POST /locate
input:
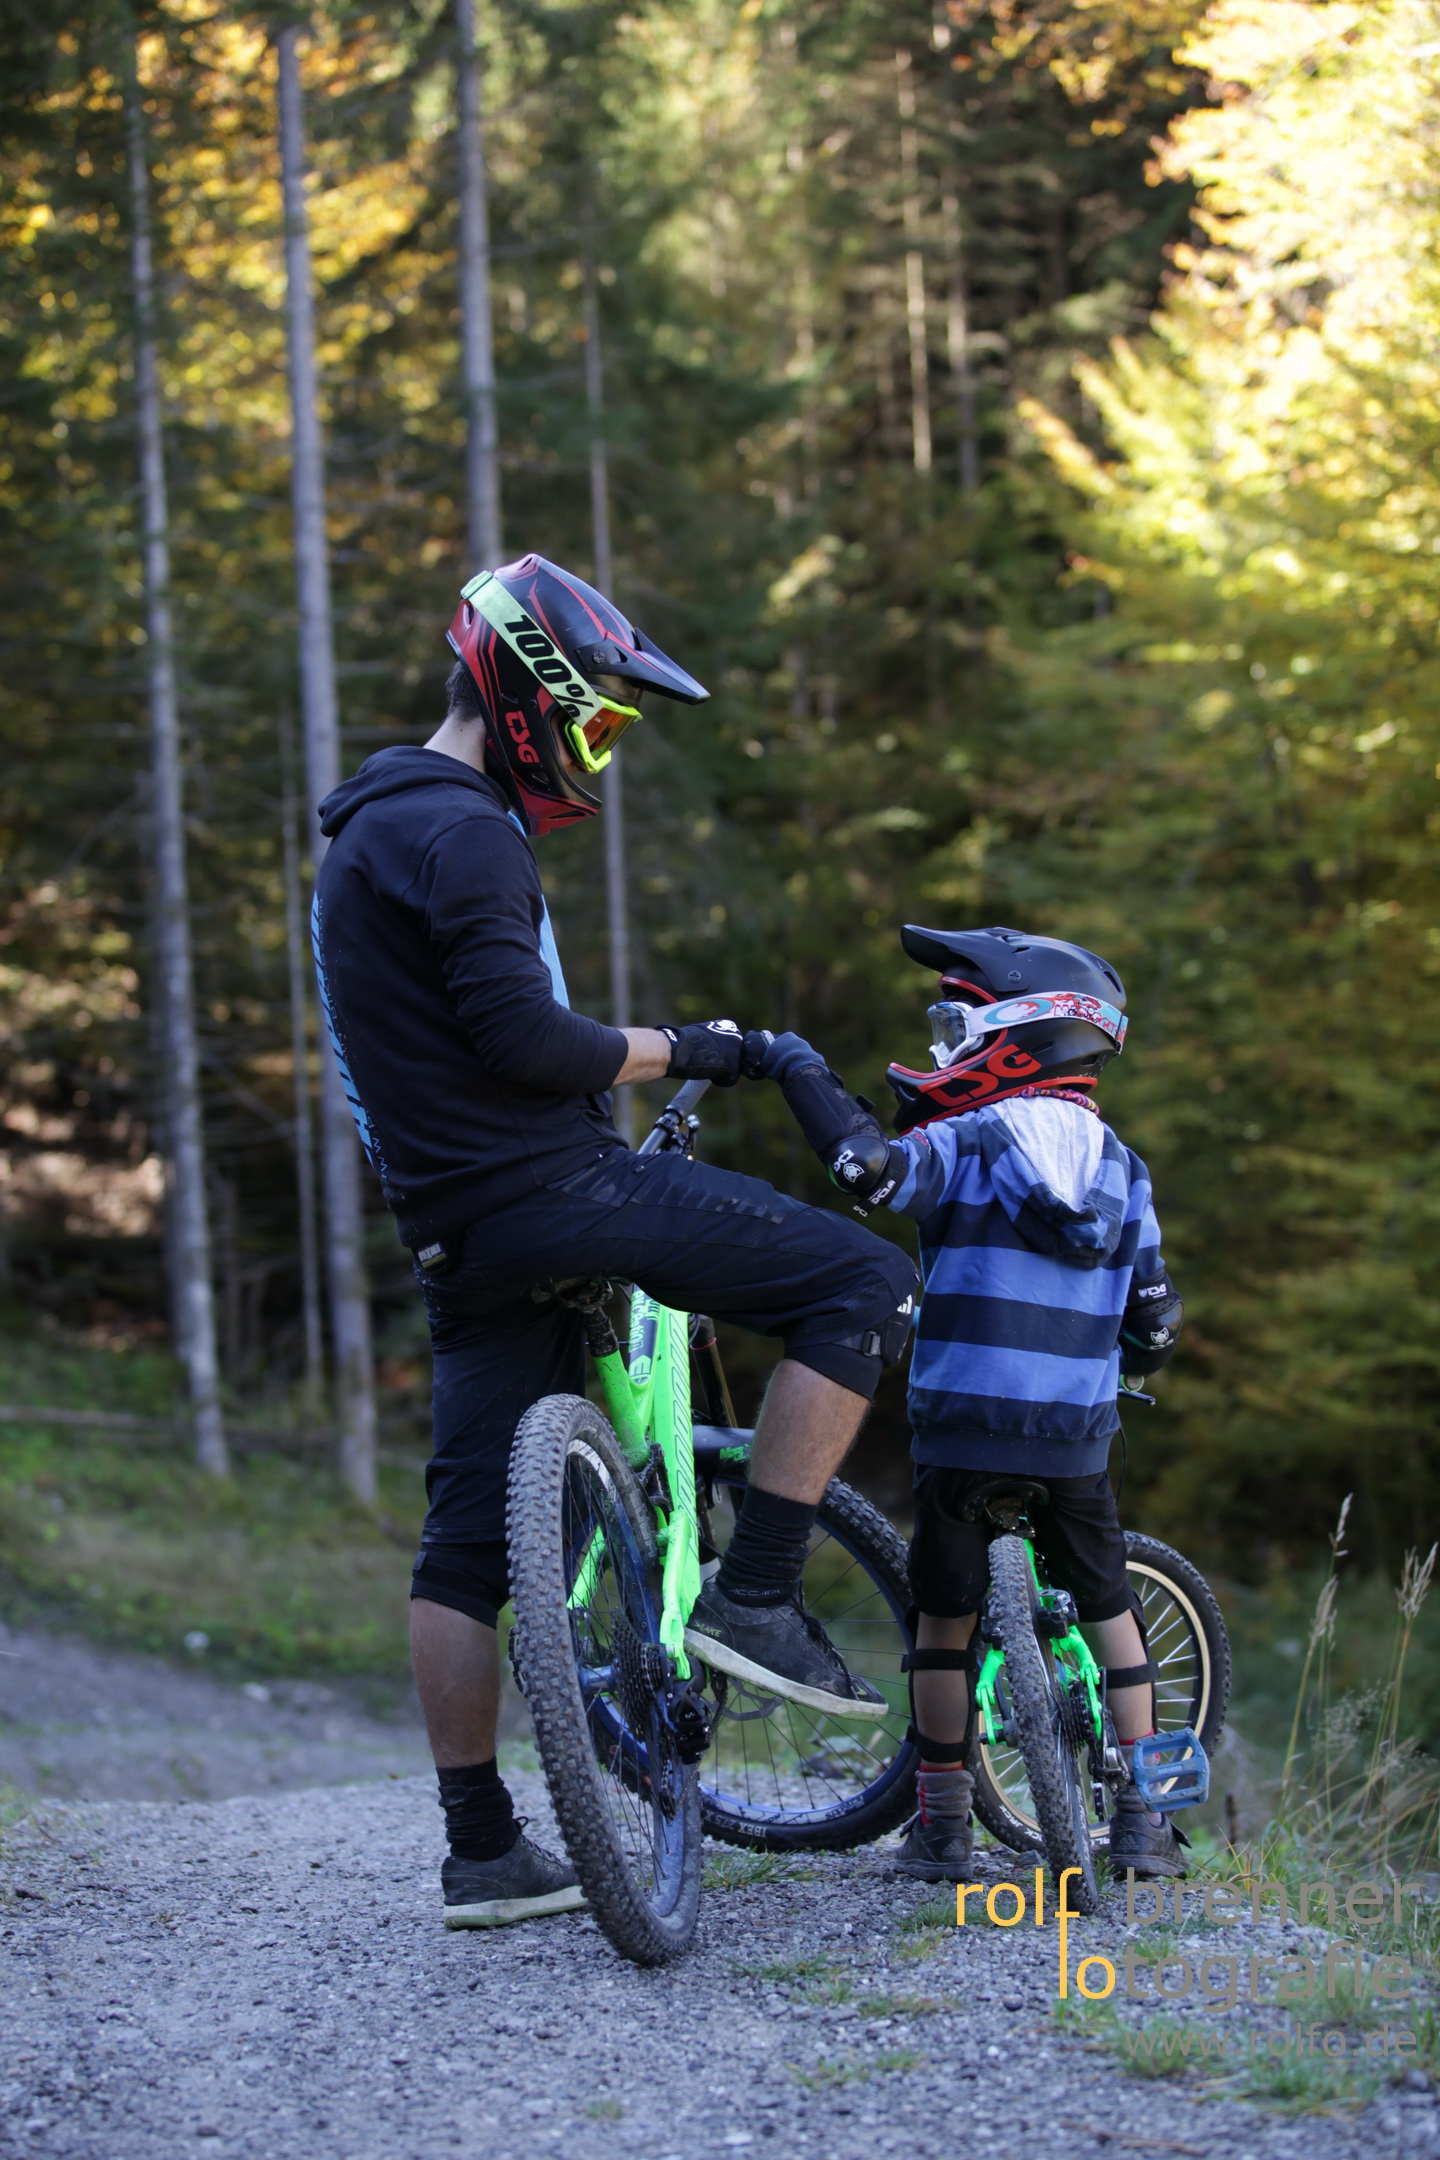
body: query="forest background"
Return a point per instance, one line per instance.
(1023, 416)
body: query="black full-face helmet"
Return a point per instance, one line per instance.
(551, 657)
(1014, 1012)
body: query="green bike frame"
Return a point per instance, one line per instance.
(1071, 1651)
(648, 1403)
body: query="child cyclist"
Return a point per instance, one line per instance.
(1043, 1278)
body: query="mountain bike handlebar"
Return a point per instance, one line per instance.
(673, 1123)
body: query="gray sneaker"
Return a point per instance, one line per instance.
(523, 1884)
(938, 1851)
(1145, 1841)
(782, 1649)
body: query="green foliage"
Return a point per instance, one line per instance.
(1259, 857)
(276, 1567)
(756, 207)
(1156, 673)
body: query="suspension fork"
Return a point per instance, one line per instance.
(648, 1401)
(659, 1340)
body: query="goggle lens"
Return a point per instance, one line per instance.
(949, 1026)
(593, 740)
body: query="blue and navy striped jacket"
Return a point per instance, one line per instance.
(1016, 1359)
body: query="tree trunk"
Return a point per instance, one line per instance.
(340, 1165)
(915, 310)
(616, 898)
(304, 1123)
(188, 1238)
(477, 342)
(958, 343)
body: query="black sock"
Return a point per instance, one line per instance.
(479, 1815)
(767, 1553)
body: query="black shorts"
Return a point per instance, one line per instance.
(698, 1239)
(1077, 1536)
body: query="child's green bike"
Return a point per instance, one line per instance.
(1048, 1762)
(613, 1517)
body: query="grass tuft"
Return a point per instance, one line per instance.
(825, 2076)
(745, 1870)
(923, 1931)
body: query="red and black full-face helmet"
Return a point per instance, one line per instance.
(551, 657)
(1014, 1012)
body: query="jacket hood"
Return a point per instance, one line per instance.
(392, 772)
(1083, 1237)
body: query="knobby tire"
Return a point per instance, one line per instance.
(1040, 1717)
(560, 1441)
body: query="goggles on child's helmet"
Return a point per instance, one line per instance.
(552, 657)
(1015, 1012)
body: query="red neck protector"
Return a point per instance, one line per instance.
(1006, 1073)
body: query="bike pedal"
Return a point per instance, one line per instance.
(1171, 1770)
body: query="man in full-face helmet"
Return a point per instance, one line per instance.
(1043, 1282)
(483, 1102)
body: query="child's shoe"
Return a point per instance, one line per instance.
(1142, 1840)
(940, 1851)
(939, 1841)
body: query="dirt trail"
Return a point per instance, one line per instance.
(267, 1976)
(101, 1725)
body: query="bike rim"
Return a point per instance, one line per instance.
(1178, 1646)
(611, 1587)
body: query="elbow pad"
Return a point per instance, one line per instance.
(1154, 1316)
(868, 1167)
(846, 1136)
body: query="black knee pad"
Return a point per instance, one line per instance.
(887, 1342)
(472, 1579)
(966, 1661)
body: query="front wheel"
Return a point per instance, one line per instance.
(1045, 1724)
(783, 1778)
(585, 1576)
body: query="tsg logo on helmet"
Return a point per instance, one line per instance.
(554, 661)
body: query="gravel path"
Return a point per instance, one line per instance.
(268, 1976)
(96, 1724)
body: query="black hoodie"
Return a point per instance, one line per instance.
(472, 1083)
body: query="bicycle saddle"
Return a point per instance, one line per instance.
(1003, 1499)
(585, 1292)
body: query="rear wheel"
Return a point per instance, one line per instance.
(1188, 1642)
(782, 1778)
(585, 1576)
(1046, 1724)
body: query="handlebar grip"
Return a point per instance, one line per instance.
(679, 1105)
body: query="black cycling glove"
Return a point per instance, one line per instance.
(707, 1050)
(1150, 1327)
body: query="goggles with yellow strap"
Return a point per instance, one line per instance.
(592, 718)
